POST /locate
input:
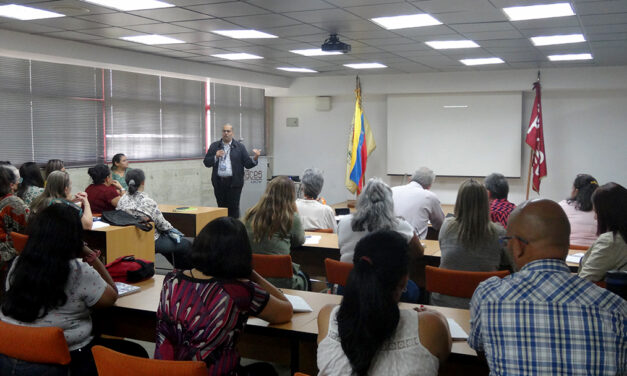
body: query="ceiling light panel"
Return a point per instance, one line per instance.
(129, 5)
(238, 56)
(406, 21)
(482, 61)
(534, 12)
(244, 34)
(365, 66)
(451, 44)
(557, 39)
(315, 52)
(152, 39)
(24, 13)
(570, 57)
(297, 70)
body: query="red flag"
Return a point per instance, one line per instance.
(535, 139)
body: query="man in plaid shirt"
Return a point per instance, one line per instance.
(544, 320)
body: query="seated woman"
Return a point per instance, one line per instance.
(609, 251)
(56, 281)
(470, 240)
(314, 214)
(274, 227)
(368, 334)
(104, 193)
(168, 240)
(59, 189)
(32, 184)
(53, 165)
(119, 168)
(202, 311)
(578, 209)
(13, 217)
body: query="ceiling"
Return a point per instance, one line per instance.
(302, 24)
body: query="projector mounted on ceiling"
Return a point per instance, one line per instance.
(333, 44)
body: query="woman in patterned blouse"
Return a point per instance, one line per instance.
(32, 184)
(202, 311)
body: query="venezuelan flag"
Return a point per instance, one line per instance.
(360, 145)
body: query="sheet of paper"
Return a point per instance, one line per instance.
(312, 239)
(574, 258)
(126, 289)
(257, 321)
(456, 331)
(298, 304)
(99, 224)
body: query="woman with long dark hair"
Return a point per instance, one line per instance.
(609, 251)
(119, 168)
(105, 192)
(578, 209)
(202, 311)
(32, 184)
(368, 334)
(56, 281)
(53, 165)
(470, 240)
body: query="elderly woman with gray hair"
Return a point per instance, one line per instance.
(313, 214)
(375, 211)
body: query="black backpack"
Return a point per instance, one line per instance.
(122, 218)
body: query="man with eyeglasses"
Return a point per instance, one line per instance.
(544, 319)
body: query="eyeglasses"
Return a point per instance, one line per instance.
(503, 240)
(68, 203)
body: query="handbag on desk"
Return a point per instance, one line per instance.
(129, 269)
(122, 218)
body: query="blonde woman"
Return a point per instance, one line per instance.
(59, 189)
(274, 227)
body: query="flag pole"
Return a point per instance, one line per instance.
(530, 161)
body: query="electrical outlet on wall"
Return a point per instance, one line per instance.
(291, 122)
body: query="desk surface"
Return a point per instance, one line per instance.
(166, 208)
(303, 324)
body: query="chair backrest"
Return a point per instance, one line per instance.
(273, 266)
(323, 230)
(337, 271)
(34, 344)
(113, 363)
(19, 241)
(456, 282)
(579, 247)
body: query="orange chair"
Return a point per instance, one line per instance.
(300, 374)
(19, 241)
(34, 344)
(113, 363)
(456, 282)
(337, 271)
(273, 266)
(323, 230)
(579, 247)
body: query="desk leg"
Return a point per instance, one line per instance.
(294, 355)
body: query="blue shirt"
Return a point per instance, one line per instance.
(544, 320)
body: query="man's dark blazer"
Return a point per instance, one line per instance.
(239, 160)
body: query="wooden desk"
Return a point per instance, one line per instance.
(118, 241)
(134, 316)
(191, 222)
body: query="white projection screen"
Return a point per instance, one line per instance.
(471, 134)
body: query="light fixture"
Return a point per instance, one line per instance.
(298, 70)
(450, 44)
(128, 5)
(406, 21)
(315, 52)
(534, 12)
(569, 57)
(482, 61)
(24, 13)
(366, 65)
(237, 56)
(244, 34)
(152, 39)
(557, 39)
(456, 106)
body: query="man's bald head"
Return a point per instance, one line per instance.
(544, 225)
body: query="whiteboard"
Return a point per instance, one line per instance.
(470, 134)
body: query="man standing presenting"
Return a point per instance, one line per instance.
(417, 204)
(544, 320)
(228, 159)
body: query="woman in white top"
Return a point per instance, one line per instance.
(368, 334)
(313, 214)
(578, 209)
